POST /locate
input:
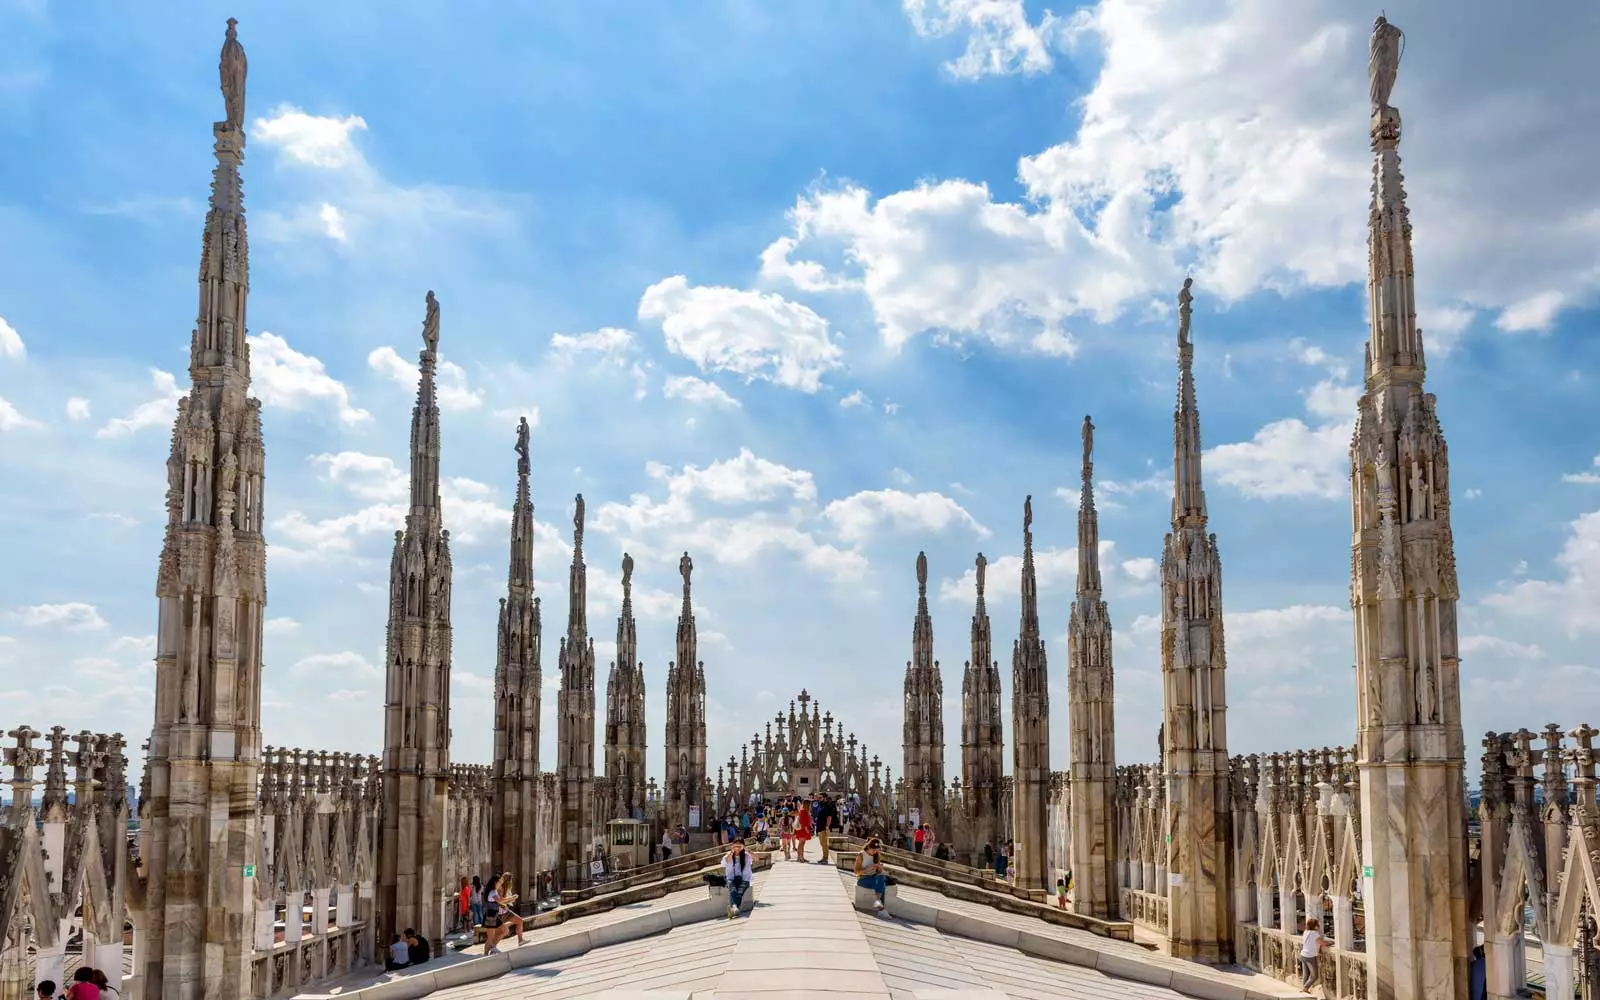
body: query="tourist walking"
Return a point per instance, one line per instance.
(1311, 945)
(827, 822)
(737, 869)
(802, 831)
(786, 833)
(666, 844)
(870, 873)
(1002, 861)
(463, 903)
(498, 908)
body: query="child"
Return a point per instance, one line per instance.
(1061, 893)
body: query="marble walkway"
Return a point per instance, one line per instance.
(805, 939)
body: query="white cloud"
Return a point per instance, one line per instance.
(611, 343)
(661, 528)
(1292, 459)
(145, 644)
(158, 412)
(71, 614)
(758, 335)
(344, 666)
(283, 377)
(314, 140)
(698, 391)
(280, 626)
(856, 398)
(1000, 41)
(453, 391)
(1052, 568)
(78, 408)
(1535, 313)
(12, 419)
(1572, 600)
(1143, 569)
(333, 222)
(11, 345)
(861, 516)
(1231, 139)
(1589, 477)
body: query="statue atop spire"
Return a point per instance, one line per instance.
(982, 568)
(233, 69)
(1088, 522)
(1383, 61)
(685, 570)
(922, 573)
(627, 578)
(523, 465)
(1185, 310)
(430, 325)
(577, 527)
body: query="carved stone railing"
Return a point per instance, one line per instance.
(64, 857)
(316, 867)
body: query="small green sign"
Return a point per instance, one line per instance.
(1169, 838)
(249, 871)
(1366, 871)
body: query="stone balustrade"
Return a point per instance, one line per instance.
(65, 862)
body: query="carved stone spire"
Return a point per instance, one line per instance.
(982, 728)
(518, 684)
(1030, 727)
(1092, 760)
(625, 712)
(416, 728)
(1411, 753)
(205, 744)
(924, 713)
(1194, 701)
(686, 717)
(575, 719)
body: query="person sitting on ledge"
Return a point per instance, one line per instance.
(737, 869)
(399, 955)
(417, 949)
(869, 872)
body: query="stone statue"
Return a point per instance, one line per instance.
(430, 325)
(983, 568)
(685, 570)
(1088, 439)
(1185, 300)
(577, 522)
(232, 70)
(1027, 514)
(1385, 473)
(627, 574)
(1383, 62)
(522, 447)
(922, 572)
(1419, 492)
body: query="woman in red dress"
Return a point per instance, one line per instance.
(802, 828)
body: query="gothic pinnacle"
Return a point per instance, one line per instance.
(1088, 521)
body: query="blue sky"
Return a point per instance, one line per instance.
(803, 287)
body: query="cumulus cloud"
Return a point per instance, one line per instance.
(779, 507)
(13, 419)
(1230, 139)
(453, 391)
(1000, 40)
(758, 335)
(1570, 600)
(1588, 477)
(283, 377)
(1291, 458)
(70, 614)
(314, 140)
(698, 391)
(157, 412)
(856, 398)
(11, 345)
(78, 408)
(861, 516)
(609, 343)
(1052, 568)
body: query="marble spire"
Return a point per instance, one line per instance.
(517, 693)
(982, 728)
(924, 714)
(416, 724)
(1030, 728)
(625, 713)
(205, 742)
(686, 718)
(575, 720)
(1092, 757)
(1194, 696)
(1411, 752)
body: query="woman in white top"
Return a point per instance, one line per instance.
(738, 869)
(1311, 945)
